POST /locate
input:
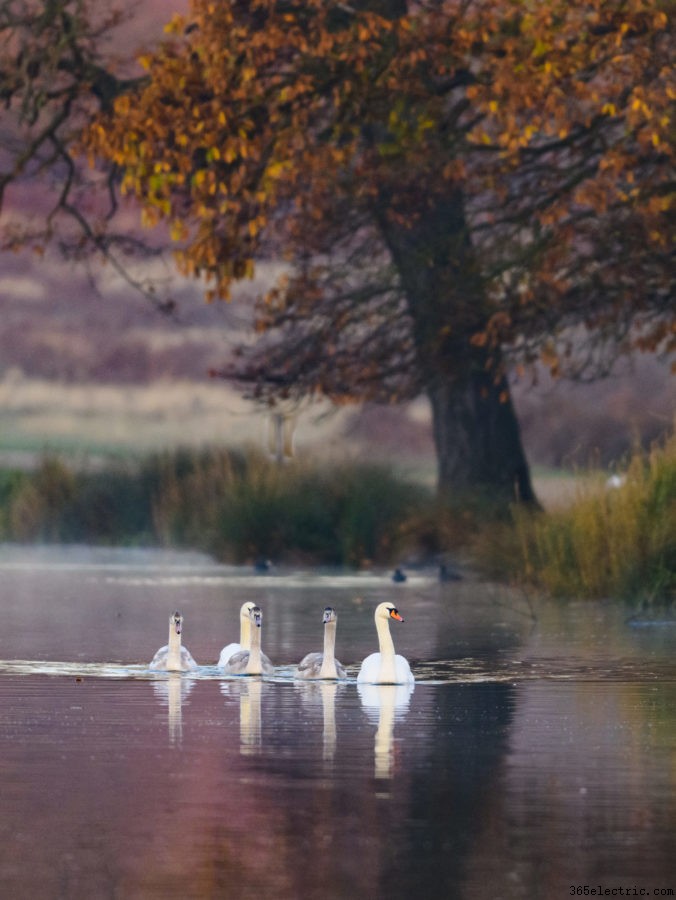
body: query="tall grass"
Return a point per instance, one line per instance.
(236, 505)
(56, 503)
(242, 506)
(239, 506)
(611, 542)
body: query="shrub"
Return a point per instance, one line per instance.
(246, 507)
(611, 542)
(236, 505)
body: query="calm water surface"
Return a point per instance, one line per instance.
(532, 757)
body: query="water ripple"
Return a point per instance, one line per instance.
(473, 670)
(435, 672)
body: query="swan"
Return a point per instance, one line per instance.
(252, 661)
(244, 635)
(173, 657)
(385, 667)
(323, 665)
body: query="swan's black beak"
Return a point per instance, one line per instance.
(178, 622)
(328, 614)
(394, 614)
(257, 616)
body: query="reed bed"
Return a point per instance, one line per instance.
(240, 506)
(237, 505)
(612, 541)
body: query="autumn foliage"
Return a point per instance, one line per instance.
(275, 127)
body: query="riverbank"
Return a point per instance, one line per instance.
(595, 539)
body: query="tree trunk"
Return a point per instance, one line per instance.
(476, 432)
(477, 439)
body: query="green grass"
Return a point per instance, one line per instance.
(239, 506)
(609, 542)
(236, 505)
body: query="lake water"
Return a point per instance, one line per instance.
(536, 755)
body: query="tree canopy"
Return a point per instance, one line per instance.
(317, 130)
(59, 67)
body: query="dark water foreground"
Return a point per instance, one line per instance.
(532, 760)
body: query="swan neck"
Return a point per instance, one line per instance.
(385, 642)
(174, 653)
(244, 632)
(386, 645)
(254, 664)
(328, 669)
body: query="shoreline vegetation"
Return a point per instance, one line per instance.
(614, 539)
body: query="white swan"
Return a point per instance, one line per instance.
(252, 661)
(323, 665)
(244, 635)
(385, 667)
(173, 657)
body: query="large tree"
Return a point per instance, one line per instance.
(453, 185)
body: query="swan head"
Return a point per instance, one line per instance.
(176, 622)
(329, 615)
(388, 611)
(245, 609)
(256, 615)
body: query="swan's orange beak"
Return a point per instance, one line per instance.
(394, 614)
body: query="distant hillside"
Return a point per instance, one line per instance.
(65, 329)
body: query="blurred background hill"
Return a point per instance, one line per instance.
(87, 365)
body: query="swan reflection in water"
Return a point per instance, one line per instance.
(172, 691)
(250, 731)
(385, 703)
(324, 692)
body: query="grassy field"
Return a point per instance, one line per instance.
(119, 420)
(93, 423)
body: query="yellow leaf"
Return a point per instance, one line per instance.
(275, 169)
(178, 230)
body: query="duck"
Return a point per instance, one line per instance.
(385, 667)
(244, 635)
(323, 665)
(448, 573)
(251, 661)
(173, 657)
